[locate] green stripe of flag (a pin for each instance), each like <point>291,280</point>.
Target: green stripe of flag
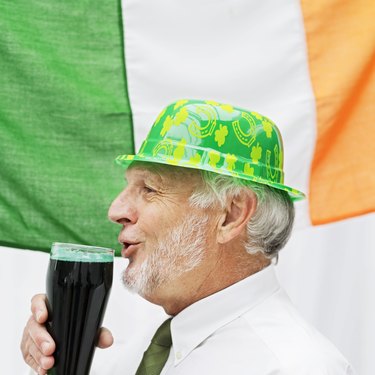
<point>64,117</point>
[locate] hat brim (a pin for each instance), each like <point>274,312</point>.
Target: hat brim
<point>126,160</point>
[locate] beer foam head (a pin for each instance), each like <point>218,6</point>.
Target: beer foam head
<point>80,253</point>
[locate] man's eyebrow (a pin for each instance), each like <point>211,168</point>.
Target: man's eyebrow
<point>148,174</point>
<point>153,177</point>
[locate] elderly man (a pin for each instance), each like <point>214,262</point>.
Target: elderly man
<point>203,214</point>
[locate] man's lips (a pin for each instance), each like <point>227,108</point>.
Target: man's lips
<point>129,248</point>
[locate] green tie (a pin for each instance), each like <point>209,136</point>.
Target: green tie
<point>157,353</point>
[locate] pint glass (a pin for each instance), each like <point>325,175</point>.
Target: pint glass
<point>79,281</point>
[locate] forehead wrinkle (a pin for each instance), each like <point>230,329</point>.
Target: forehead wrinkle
<point>165,173</point>
<point>141,172</point>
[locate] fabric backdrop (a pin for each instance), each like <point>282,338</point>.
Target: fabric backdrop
<point>67,108</point>
<point>64,113</point>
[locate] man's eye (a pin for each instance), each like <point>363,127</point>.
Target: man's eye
<point>148,189</point>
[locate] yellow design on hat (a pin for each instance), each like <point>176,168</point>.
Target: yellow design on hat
<point>216,137</point>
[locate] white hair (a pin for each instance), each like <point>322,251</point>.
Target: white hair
<point>270,227</point>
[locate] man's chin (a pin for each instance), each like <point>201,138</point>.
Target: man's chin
<point>129,280</point>
<point>144,288</point>
<point>134,281</point>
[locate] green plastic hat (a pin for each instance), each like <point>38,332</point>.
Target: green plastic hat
<point>218,138</point>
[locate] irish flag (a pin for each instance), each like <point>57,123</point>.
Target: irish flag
<point>82,82</point>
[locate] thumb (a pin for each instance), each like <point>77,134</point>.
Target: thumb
<point>105,339</point>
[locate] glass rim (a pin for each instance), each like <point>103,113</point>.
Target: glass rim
<point>81,253</point>
<point>78,247</point>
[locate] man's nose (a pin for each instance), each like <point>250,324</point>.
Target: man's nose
<point>122,210</point>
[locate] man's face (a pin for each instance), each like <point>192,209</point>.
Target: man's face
<point>162,235</point>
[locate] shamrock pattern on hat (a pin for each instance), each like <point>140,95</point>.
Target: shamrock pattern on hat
<point>217,137</point>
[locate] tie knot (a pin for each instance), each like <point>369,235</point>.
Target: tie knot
<point>163,335</point>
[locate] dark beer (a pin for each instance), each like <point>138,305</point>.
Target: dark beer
<point>77,294</point>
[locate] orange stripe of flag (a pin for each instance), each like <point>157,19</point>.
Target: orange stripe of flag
<point>341,50</point>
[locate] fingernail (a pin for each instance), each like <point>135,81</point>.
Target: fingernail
<point>45,346</point>
<point>38,315</point>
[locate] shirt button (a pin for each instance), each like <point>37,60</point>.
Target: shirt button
<point>178,355</point>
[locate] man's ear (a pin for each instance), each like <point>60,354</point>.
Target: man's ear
<point>237,214</point>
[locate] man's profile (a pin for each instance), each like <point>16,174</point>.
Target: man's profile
<point>204,212</point>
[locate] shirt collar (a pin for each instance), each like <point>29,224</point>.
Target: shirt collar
<point>198,321</point>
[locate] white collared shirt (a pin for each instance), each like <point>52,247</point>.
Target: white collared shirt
<point>250,327</point>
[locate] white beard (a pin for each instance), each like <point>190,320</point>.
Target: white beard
<point>180,251</point>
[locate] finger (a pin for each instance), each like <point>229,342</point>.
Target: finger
<point>44,362</point>
<point>41,371</point>
<point>26,342</point>
<point>39,308</point>
<point>40,337</point>
<point>25,338</point>
<point>105,338</point>
<point>29,359</point>
<point>33,356</point>
<point>31,362</point>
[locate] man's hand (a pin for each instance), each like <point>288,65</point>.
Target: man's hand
<point>37,345</point>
